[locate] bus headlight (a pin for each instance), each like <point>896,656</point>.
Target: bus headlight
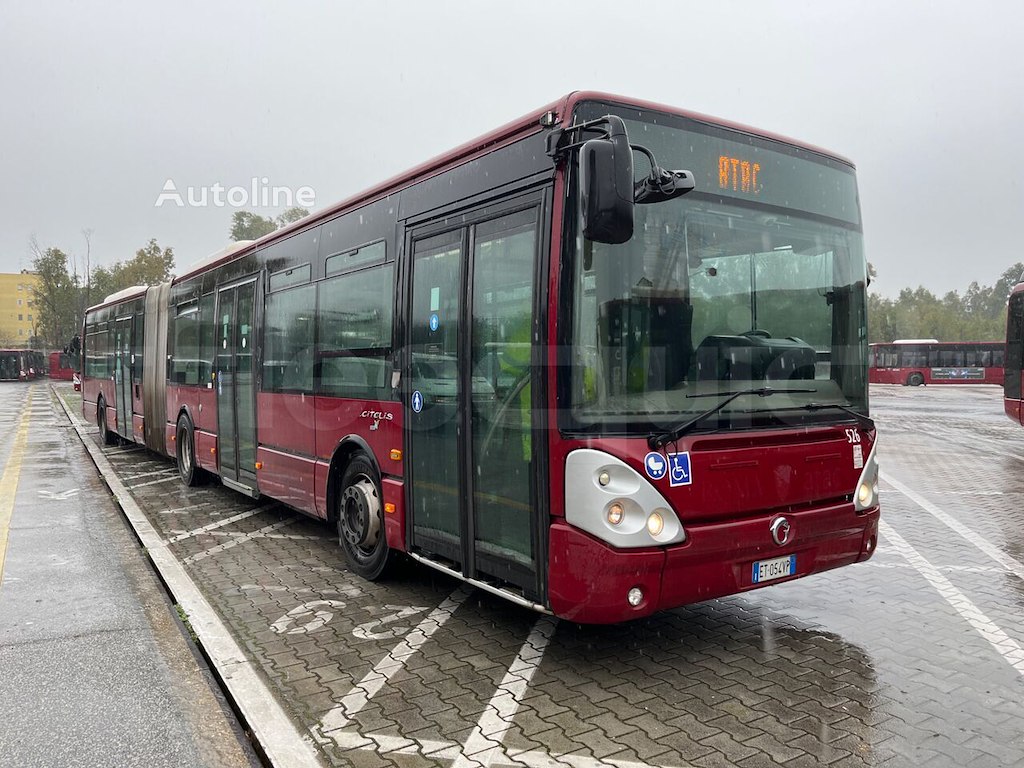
<point>608,499</point>
<point>866,494</point>
<point>615,513</point>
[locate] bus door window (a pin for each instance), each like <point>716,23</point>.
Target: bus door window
<point>501,421</point>
<point>433,418</point>
<point>236,408</point>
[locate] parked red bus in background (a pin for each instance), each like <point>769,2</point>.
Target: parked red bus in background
<point>13,365</point>
<point>1014,354</point>
<point>62,366</point>
<point>913,362</point>
<point>535,364</point>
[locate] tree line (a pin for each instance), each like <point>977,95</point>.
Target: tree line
<point>63,292</point>
<point>978,314</point>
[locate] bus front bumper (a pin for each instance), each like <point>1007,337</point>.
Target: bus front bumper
<point>590,581</point>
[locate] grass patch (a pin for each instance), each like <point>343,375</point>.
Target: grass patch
<point>188,625</point>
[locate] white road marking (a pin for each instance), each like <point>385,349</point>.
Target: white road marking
<point>361,693</point>
<point>399,612</point>
<point>59,495</point>
<point>213,526</point>
<point>346,590</point>
<point>280,536</point>
<point>236,541</point>
<point>1003,644</point>
<point>152,482</point>
<point>973,493</point>
<point>169,472</point>
<point>483,746</point>
<point>990,549</point>
<point>315,611</point>
<point>183,510</point>
<point>946,568</point>
<point>116,451</point>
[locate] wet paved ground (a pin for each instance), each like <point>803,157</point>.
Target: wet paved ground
<point>95,669</point>
<point>914,658</point>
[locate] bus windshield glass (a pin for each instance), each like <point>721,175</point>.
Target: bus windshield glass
<point>755,280</point>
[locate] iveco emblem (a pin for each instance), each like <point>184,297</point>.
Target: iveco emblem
<point>780,530</point>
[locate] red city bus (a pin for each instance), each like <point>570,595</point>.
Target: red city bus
<point>537,365</point>
<point>913,362</point>
<point>14,365</point>
<point>62,366</point>
<point>1012,401</point>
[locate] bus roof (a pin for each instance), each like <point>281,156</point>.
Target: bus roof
<point>122,295</point>
<point>512,131</point>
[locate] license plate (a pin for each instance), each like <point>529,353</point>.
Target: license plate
<point>776,568</point>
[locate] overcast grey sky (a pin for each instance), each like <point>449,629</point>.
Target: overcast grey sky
<point>103,102</point>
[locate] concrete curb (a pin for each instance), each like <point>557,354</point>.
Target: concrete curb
<point>283,744</point>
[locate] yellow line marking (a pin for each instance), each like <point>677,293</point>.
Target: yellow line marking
<point>9,481</point>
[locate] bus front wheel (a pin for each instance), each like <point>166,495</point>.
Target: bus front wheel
<point>189,472</point>
<point>359,516</point>
<point>915,379</point>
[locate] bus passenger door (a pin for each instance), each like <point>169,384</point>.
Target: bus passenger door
<point>236,407</point>
<point>123,376</point>
<point>471,455</point>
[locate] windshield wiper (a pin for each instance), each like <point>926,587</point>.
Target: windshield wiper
<point>864,421</point>
<point>664,438</point>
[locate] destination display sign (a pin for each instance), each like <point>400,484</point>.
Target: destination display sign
<point>741,166</point>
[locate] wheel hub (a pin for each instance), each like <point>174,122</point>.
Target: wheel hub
<point>359,521</point>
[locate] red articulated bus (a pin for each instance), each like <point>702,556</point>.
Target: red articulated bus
<point>913,362</point>
<point>542,363</point>
<point>14,365</point>
<point>1012,400</point>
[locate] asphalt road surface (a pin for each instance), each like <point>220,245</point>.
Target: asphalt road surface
<point>95,669</point>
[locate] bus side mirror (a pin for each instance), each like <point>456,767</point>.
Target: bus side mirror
<point>606,186</point>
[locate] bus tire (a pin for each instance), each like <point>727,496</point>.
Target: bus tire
<point>359,517</point>
<point>188,470</point>
<point>106,436</point>
<point>915,379</point>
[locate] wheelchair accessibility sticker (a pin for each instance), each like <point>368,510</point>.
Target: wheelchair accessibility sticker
<point>675,465</point>
<point>679,469</point>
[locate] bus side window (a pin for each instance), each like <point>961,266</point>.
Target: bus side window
<point>288,340</point>
<point>355,321</point>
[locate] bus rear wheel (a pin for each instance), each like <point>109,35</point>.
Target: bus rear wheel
<point>915,379</point>
<point>359,516</point>
<point>108,437</point>
<point>189,472</point>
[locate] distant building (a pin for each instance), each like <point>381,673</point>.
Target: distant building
<point>18,312</point>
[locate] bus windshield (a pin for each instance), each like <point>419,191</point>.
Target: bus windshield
<point>717,293</point>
